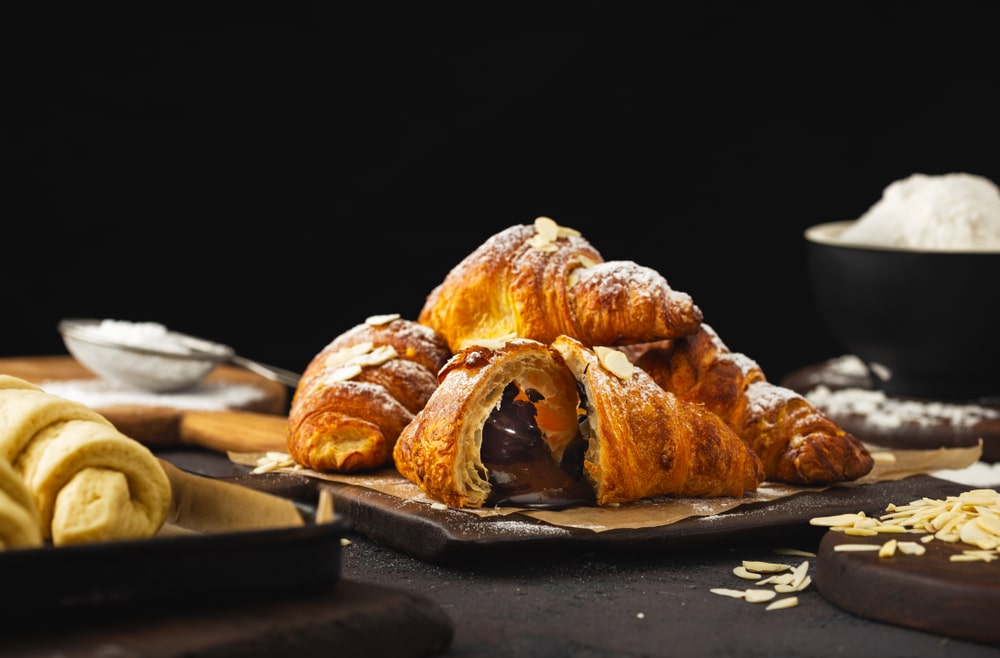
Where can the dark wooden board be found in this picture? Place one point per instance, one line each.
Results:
(439, 536)
(926, 592)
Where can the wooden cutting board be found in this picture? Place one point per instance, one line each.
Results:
(927, 592)
(256, 426)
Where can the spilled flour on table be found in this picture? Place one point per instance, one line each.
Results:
(207, 396)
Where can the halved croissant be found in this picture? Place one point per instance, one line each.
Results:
(796, 442)
(358, 392)
(89, 482)
(543, 281)
(637, 441)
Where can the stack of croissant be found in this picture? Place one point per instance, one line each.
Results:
(68, 476)
(537, 373)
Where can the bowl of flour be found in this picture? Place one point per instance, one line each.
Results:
(912, 286)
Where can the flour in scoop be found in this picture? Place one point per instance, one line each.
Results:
(950, 212)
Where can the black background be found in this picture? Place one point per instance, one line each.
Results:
(268, 177)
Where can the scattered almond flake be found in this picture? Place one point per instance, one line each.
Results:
(344, 541)
(794, 552)
(966, 556)
(800, 573)
(888, 549)
(840, 520)
(849, 548)
(640, 615)
(615, 362)
(438, 506)
(765, 567)
(910, 548)
(794, 587)
(780, 604)
(860, 532)
(743, 573)
(779, 579)
(725, 591)
(758, 595)
(272, 461)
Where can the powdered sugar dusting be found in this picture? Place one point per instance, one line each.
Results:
(763, 396)
(890, 413)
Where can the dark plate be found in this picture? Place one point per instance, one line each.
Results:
(189, 569)
(444, 535)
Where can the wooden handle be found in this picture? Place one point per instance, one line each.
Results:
(236, 431)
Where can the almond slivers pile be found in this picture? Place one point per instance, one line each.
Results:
(972, 517)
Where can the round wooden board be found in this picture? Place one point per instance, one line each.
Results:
(927, 592)
(162, 424)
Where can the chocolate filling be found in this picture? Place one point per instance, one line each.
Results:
(523, 471)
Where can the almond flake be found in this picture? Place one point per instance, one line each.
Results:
(838, 520)
(744, 574)
(851, 548)
(780, 604)
(376, 320)
(765, 567)
(759, 595)
(725, 591)
(615, 362)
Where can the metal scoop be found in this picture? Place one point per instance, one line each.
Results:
(149, 357)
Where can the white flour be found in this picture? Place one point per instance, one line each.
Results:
(950, 212)
(207, 396)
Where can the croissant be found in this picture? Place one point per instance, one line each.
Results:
(19, 526)
(543, 281)
(358, 392)
(528, 424)
(796, 442)
(88, 481)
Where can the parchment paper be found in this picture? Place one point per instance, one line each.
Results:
(203, 505)
(889, 465)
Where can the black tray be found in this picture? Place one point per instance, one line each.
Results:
(193, 569)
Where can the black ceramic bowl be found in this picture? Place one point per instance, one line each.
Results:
(927, 323)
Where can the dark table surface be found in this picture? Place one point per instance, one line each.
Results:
(585, 602)
(635, 604)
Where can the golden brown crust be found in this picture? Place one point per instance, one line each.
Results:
(358, 392)
(647, 442)
(644, 441)
(796, 442)
(440, 450)
(515, 285)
